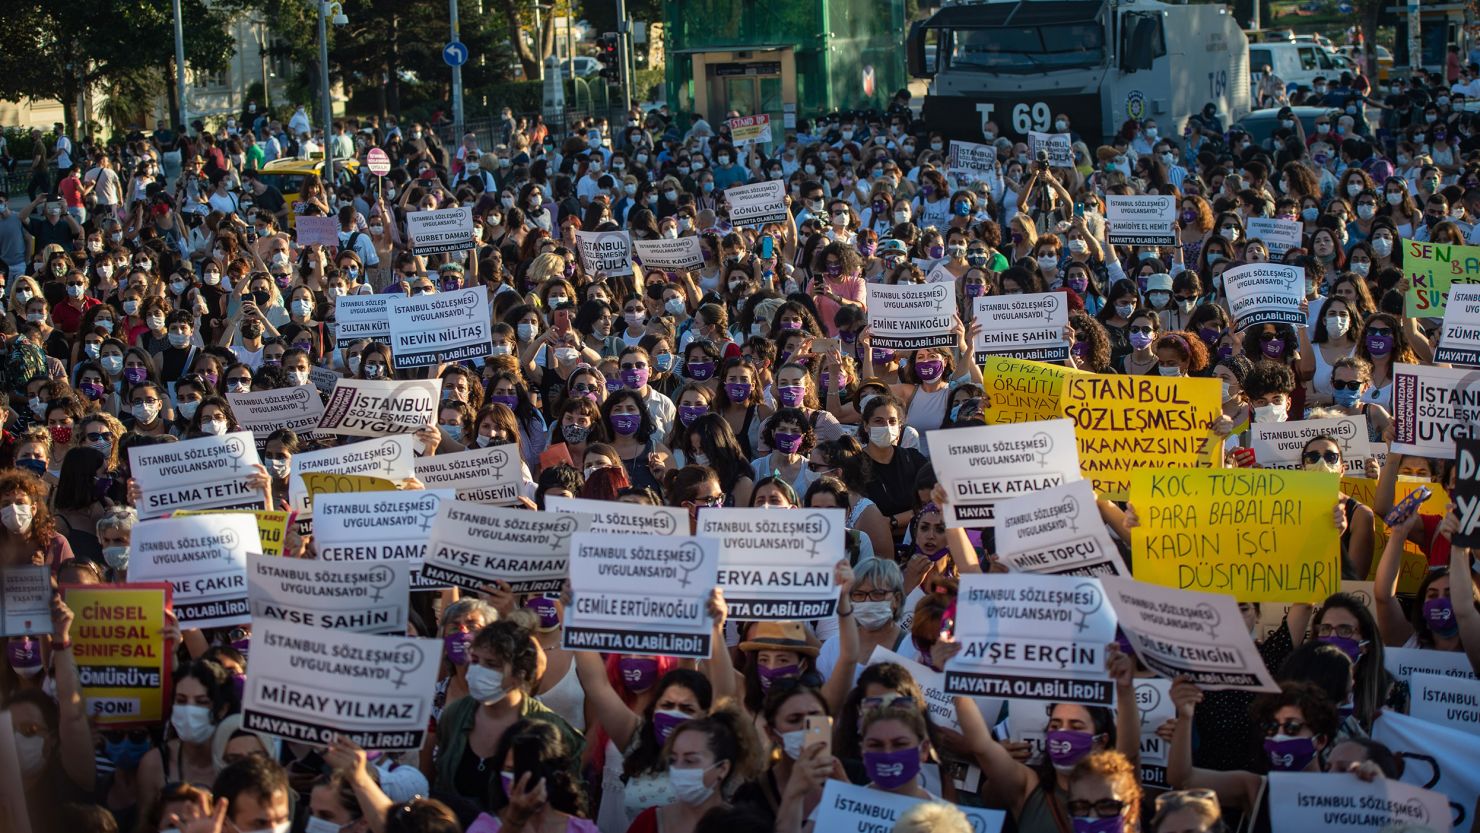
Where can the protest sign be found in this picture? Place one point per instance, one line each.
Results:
(1257, 534)
(1278, 445)
(378, 407)
(265, 411)
(1128, 423)
(747, 129)
(317, 231)
(1141, 220)
(1027, 722)
(982, 465)
(1032, 637)
(1023, 391)
(1434, 758)
(1264, 293)
(680, 254)
(272, 527)
(204, 558)
(1447, 701)
(361, 316)
(438, 327)
(125, 667)
(1404, 663)
(1415, 563)
(1027, 326)
(940, 705)
(609, 252)
(971, 162)
(757, 204)
(1432, 269)
(910, 316)
(1154, 702)
(203, 473)
(624, 518)
(309, 684)
(777, 565)
(847, 808)
(441, 230)
(324, 378)
(1460, 340)
(1279, 235)
(493, 475)
(641, 594)
(391, 458)
(367, 527)
(472, 545)
(1177, 632)
(1057, 145)
(1432, 407)
(1467, 493)
(1340, 802)
(25, 600)
(346, 596)
(936, 272)
(1057, 531)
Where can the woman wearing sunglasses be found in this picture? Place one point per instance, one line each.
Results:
(1323, 453)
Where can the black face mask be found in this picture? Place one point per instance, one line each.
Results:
(260, 298)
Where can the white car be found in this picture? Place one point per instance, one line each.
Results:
(584, 66)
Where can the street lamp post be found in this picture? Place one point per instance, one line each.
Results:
(180, 69)
(326, 11)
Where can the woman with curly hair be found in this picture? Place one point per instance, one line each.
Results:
(837, 281)
(1180, 353)
(1089, 344)
(1195, 223)
(28, 532)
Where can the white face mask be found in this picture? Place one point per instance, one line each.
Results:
(215, 427)
(1337, 325)
(193, 723)
(318, 825)
(688, 785)
(1173, 370)
(883, 435)
(31, 751)
(17, 517)
(1270, 413)
(486, 685)
(792, 742)
(873, 615)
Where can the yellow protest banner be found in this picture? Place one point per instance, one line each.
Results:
(1259, 535)
(122, 659)
(1415, 562)
(272, 527)
(1022, 391)
(1128, 423)
(330, 483)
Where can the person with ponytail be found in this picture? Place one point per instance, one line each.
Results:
(708, 760)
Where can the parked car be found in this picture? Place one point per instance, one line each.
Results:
(586, 66)
(1261, 124)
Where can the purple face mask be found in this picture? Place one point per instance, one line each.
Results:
(791, 396)
(1078, 283)
(930, 369)
(239, 685)
(625, 424)
(1379, 345)
(455, 647)
(1351, 647)
(24, 655)
(635, 377)
(1439, 614)
(1140, 341)
(638, 673)
(771, 675)
(737, 391)
(242, 645)
(936, 251)
(508, 400)
(882, 355)
(664, 724)
(549, 615)
(1067, 747)
(135, 375)
(688, 413)
(1208, 335)
(1080, 349)
(892, 769)
(1289, 755)
(701, 371)
(788, 443)
(1274, 348)
(1114, 824)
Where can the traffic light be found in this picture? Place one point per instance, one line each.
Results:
(606, 49)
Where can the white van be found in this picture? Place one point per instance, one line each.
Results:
(1297, 64)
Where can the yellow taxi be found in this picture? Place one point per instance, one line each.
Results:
(286, 175)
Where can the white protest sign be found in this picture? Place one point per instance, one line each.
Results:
(1141, 220)
(1278, 445)
(641, 594)
(1340, 802)
(316, 231)
(438, 327)
(1058, 146)
(379, 407)
(362, 527)
(25, 600)
(1027, 722)
(624, 518)
(1154, 702)
(757, 204)
(1027, 326)
(442, 230)
(1032, 637)
(390, 458)
(942, 706)
(364, 598)
(1447, 701)
(1432, 407)
(1177, 632)
(1265, 293)
(605, 251)
(472, 545)
(909, 316)
(680, 254)
(981, 466)
(324, 378)
(970, 161)
(310, 684)
(265, 411)
(937, 273)
(1403, 663)
(493, 475)
(1459, 342)
(1434, 758)
(777, 565)
(1057, 531)
(747, 129)
(204, 557)
(847, 808)
(204, 473)
(361, 316)
(1279, 235)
